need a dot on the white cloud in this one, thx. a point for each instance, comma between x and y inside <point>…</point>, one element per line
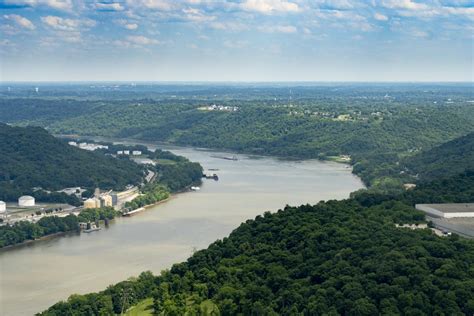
<point>142,40</point>
<point>468,11</point>
<point>21,2</point>
<point>138,41</point>
<point>411,8</point>
<point>380,17</point>
<point>65,5</point>
<point>404,4</point>
<point>196,15</point>
<point>269,6</point>
<point>288,29</point>
<point>344,19</point>
<point>335,4</point>
<point>108,6</point>
<point>126,24</point>
<point>229,26</point>
<point>131,26</point>
<point>165,5</point>
<point>21,21</point>
<point>58,4</point>
<point>63,24</point>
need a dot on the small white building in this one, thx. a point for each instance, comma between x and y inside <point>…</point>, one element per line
<point>126,152</point>
<point>136,152</point>
<point>71,191</point>
<point>3,207</point>
<point>26,201</point>
<point>448,210</point>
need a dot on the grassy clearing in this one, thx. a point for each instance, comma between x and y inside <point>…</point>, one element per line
<point>144,308</point>
<point>165,162</point>
<point>340,159</point>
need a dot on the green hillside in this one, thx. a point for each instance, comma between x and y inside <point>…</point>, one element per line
<point>32,157</point>
<point>334,258</point>
<point>337,257</point>
<point>377,125</point>
<point>448,159</point>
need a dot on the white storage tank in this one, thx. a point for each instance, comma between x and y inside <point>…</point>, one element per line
<point>3,207</point>
<point>26,200</point>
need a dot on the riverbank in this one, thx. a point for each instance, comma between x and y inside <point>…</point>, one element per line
<point>62,234</point>
<point>145,207</point>
<point>133,141</point>
<point>37,240</point>
<point>144,142</point>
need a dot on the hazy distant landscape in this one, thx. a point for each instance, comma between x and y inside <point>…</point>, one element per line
<point>376,127</point>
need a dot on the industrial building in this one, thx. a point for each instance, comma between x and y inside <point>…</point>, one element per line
<point>448,210</point>
<point>26,201</point>
<point>3,207</point>
<point>92,203</point>
<point>105,200</point>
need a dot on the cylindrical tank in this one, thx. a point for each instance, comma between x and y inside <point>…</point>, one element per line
<point>26,200</point>
<point>3,207</point>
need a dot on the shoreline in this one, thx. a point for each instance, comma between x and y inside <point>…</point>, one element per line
<point>216,149</point>
<point>33,241</point>
<point>61,234</point>
<point>172,195</point>
<point>145,207</point>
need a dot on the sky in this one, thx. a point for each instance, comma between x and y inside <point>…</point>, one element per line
<point>237,40</point>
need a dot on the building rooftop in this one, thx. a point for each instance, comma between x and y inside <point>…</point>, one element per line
<point>451,207</point>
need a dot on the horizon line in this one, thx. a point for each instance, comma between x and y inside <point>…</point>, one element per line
<point>4,82</point>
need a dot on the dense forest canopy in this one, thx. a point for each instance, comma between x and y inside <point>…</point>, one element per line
<point>174,172</point>
<point>32,158</point>
<point>378,125</point>
<point>336,257</point>
<point>447,159</point>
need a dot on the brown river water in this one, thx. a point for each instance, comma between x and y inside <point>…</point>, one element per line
<point>35,276</point>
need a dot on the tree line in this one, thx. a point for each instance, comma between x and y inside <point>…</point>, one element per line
<point>25,230</point>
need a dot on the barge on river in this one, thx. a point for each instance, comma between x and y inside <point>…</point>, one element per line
<point>234,158</point>
<point>135,211</point>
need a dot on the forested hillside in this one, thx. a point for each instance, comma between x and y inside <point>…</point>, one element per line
<point>337,257</point>
<point>452,189</point>
<point>33,158</point>
<point>377,125</point>
<point>445,160</point>
<point>174,172</point>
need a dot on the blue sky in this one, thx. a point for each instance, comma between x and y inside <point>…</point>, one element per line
<point>237,40</point>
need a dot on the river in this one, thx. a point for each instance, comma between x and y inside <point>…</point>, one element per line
<point>35,276</point>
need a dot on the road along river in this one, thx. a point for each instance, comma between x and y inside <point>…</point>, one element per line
<point>35,276</point>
